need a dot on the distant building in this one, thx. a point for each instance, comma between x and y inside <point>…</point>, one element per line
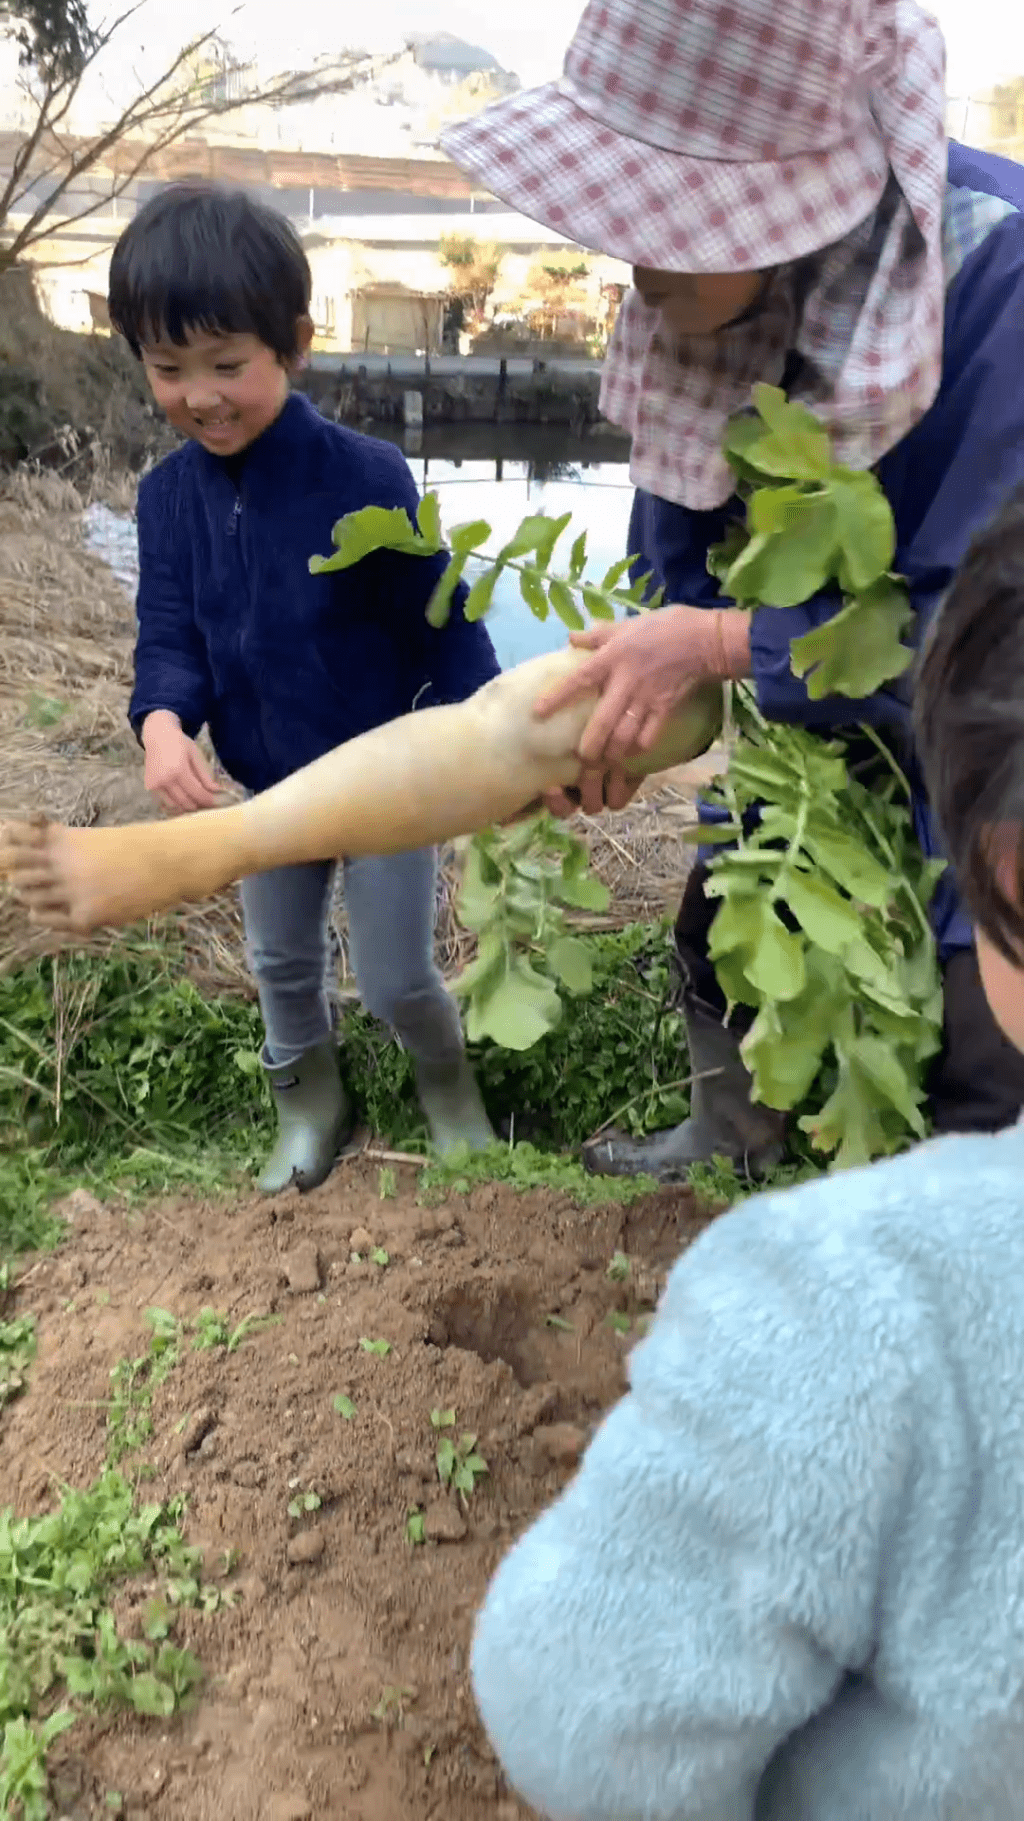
<point>452,59</point>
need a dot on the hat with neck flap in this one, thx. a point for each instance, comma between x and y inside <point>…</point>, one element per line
<point>802,138</point>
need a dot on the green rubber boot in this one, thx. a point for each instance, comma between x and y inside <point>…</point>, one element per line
<point>723,1122</point>
<point>429,1027</point>
<point>314,1120</point>
<point>453,1107</point>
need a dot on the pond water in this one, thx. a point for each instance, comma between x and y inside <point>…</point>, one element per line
<point>500,478</point>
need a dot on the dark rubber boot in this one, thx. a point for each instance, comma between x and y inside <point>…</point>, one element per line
<point>429,1027</point>
<point>314,1120</point>
<point>723,1122</point>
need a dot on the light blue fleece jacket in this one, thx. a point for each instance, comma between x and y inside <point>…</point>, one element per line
<point>787,1582</point>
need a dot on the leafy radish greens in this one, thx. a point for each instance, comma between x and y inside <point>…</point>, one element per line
<point>822,927</point>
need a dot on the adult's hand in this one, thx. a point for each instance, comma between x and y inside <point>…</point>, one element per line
<point>641,669</point>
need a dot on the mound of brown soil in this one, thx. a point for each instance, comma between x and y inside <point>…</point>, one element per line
<point>337,1684</point>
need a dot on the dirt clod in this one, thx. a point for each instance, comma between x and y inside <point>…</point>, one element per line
<point>561,1443</point>
<point>307,1547</point>
<point>443,1522</point>
<point>289,1807</point>
<point>303,1270</point>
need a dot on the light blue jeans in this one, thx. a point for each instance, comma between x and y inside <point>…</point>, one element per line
<point>390,905</point>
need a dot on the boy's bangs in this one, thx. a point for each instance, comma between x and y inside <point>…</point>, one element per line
<point>193,289</point>
<point>202,260</point>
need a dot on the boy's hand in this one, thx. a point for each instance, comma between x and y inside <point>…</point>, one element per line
<point>176,772</point>
<point>596,790</point>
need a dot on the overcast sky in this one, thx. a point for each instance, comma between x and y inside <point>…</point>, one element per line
<point>985,38</point>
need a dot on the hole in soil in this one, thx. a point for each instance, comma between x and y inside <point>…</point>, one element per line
<point>492,1321</point>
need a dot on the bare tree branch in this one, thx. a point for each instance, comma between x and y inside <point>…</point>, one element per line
<point>162,112</point>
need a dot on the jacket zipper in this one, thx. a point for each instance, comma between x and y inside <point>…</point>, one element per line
<point>234,530</point>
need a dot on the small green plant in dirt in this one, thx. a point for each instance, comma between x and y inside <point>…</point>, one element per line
<point>17,1351</point>
<point>559,1323</point>
<point>390,1709</point>
<point>133,1383</point>
<point>415,1526</point>
<point>58,1638</point>
<point>459,1466</point>
<point>719,1184</point>
<point>619,1268</point>
<point>24,1783</point>
<point>42,712</point>
<point>387,1184</point>
<point>210,1329</point>
<point>343,1406</point>
<point>524,1167</point>
<point>380,1347</point>
<point>304,1504</point>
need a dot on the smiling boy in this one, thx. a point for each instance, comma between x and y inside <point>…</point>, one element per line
<point>211,290</point>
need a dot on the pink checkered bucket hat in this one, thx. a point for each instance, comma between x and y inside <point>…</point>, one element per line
<point>803,138</point>
<point>701,135</point>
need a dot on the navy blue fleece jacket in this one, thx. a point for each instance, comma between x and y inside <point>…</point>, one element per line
<point>234,632</point>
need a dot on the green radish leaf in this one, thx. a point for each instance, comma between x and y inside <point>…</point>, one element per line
<point>428,520</point>
<point>537,533</point>
<point>797,447</point>
<point>617,572</point>
<point>776,967</point>
<point>722,556</point>
<point>849,862</point>
<point>830,921</point>
<point>517,1012</point>
<point>532,590</point>
<point>570,960</point>
<point>849,1124</point>
<point>585,893</point>
<point>878,1064</point>
<point>480,595</point>
<point>858,650</point>
<point>464,539</point>
<point>343,1406</point>
<point>578,557</point>
<point>564,605</point>
<point>866,530</point>
<point>597,603</point>
<point>439,605</point>
<point>372,528</point>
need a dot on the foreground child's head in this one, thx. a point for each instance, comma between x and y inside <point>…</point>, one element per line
<point>211,290</point>
<point>970,727</point>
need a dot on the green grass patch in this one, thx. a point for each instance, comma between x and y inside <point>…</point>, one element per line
<point>116,1073</point>
<point>60,1649</point>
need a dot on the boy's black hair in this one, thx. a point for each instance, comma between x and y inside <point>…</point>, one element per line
<point>201,257</point>
<point>969,723</point>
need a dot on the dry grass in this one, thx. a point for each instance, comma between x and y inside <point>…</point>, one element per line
<point>66,635</point>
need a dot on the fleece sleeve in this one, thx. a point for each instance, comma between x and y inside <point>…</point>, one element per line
<point>171,666</point>
<point>704,1585</point>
